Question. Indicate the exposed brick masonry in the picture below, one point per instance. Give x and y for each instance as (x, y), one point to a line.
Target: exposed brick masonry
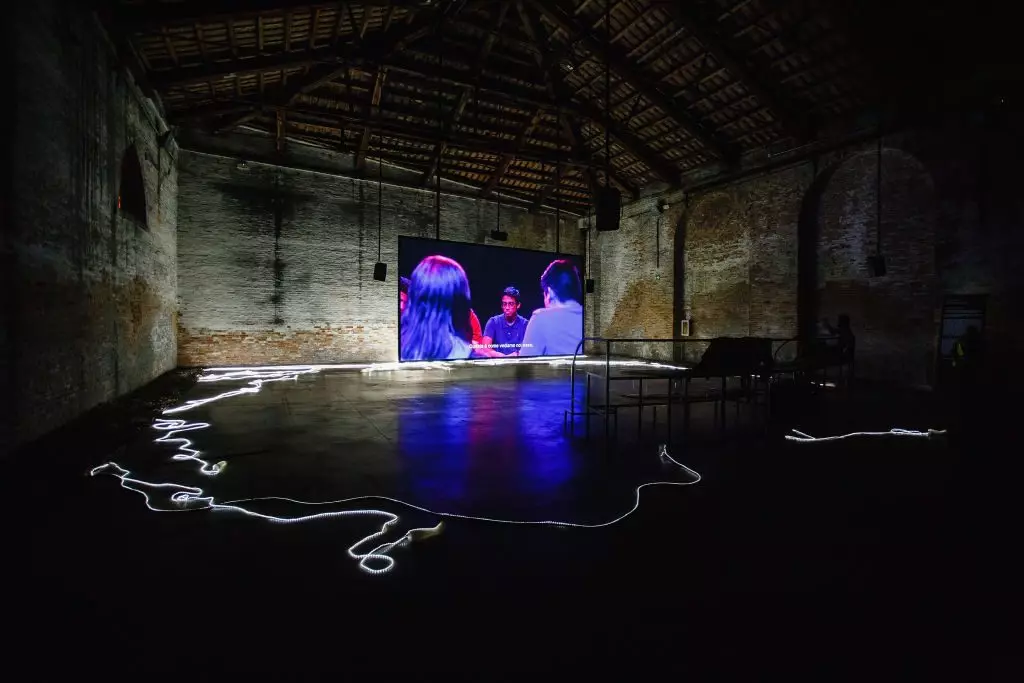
(949, 220)
(91, 294)
(293, 283)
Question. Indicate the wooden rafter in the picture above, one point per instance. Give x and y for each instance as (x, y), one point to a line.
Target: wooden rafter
(367, 13)
(314, 29)
(570, 123)
(616, 61)
(700, 28)
(169, 46)
(480, 144)
(204, 147)
(373, 112)
(442, 145)
(506, 159)
(492, 36)
(352, 104)
(550, 187)
(142, 17)
(320, 74)
(434, 165)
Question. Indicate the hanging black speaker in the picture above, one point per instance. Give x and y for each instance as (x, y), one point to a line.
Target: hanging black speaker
(380, 272)
(609, 208)
(589, 286)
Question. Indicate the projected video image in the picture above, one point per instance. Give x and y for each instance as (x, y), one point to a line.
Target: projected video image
(468, 301)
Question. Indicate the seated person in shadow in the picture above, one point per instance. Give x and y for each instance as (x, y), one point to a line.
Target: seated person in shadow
(841, 352)
(556, 329)
(436, 324)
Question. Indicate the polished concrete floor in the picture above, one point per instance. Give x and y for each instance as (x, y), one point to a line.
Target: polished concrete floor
(881, 557)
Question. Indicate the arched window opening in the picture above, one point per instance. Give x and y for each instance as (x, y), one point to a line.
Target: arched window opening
(131, 196)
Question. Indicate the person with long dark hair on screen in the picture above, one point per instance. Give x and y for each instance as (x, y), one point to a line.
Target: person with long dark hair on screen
(437, 313)
(556, 329)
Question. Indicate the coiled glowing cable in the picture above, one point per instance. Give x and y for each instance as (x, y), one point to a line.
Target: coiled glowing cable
(377, 560)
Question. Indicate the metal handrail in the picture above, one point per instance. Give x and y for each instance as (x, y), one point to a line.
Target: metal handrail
(608, 341)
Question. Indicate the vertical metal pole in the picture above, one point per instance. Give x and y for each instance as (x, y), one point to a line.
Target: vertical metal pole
(607, 383)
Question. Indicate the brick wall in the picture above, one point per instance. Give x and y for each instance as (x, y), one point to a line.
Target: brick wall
(950, 223)
(893, 316)
(740, 258)
(293, 283)
(90, 295)
(633, 272)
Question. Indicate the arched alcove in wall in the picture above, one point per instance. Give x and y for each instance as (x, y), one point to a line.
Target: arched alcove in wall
(893, 315)
(131, 193)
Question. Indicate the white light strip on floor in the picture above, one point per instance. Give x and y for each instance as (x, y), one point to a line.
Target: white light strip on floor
(800, 437)
(552, 361)
(185, 496)
(191, 498)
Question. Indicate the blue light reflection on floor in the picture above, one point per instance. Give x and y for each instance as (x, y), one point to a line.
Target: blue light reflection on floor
(483, 445)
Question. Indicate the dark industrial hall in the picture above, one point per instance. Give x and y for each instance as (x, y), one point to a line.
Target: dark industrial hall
(512, 337)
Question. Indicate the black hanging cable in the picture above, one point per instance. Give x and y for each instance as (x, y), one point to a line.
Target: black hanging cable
(380, 184)
(588, 277)
(607, 93)
(878, 198)
(558, 177)
(440, 130)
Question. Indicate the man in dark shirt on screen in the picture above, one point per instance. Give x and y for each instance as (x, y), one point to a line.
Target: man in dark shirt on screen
(505, 331)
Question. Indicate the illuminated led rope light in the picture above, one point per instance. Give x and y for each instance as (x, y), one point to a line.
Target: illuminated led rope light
(800, 437)
(447, 365)
(191, 498)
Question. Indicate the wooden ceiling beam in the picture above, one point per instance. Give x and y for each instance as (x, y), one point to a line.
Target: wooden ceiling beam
(205, 148)
(508, 157)
(439, 149)
(485, 49)
(313, 30)
(560, 94)
(320, 74)
(373, 113)
(354, 103)
(552, 185)
(616, 61)
(702, 29)
(469, 143)
(503, 38)
(633, 144)
(146, 17)
(496, 91)
(325, 60)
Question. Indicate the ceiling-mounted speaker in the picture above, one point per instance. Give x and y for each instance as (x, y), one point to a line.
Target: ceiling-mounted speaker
(609, 208)
(499, 235)
(380, 272)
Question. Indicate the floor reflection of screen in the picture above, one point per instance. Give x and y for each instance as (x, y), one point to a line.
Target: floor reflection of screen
(468, 301)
